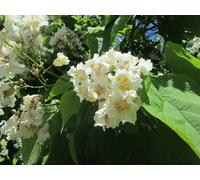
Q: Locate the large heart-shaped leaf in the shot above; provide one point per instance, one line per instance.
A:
(175, 100)
(180, 61)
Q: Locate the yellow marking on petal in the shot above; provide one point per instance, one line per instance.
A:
(80, 76)
(123, 83)
(92, 66)
(99, 90)
(121, 106)
(83, 92)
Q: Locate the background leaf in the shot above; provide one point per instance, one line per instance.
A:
(95, 39)
(78, 138)
(111, 30)
(70, 104)
(59, 153)
(31, 150)
(180, 61)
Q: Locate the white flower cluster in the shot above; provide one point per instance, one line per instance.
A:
(113, 80)
(28, 121)
(20, 27)
(66, 38)
(193, 46)
(19, 32)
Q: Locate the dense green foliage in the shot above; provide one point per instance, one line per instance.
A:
(167, 130)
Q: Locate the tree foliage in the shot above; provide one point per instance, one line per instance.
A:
(167, 127)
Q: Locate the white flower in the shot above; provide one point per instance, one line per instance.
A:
(97, 66)
(26, 132)
(106, 118)
(32, 111)
(11, 27)
(7, 94)
(112, 80)
(20, 32)
(9, 65)
(13, 23)
(38, 21)
(117, 109)
(145, 66)
(61, 60)
(120, 61)
(27, 121)
(1, 112)
(9, 127)
(43, 133)
(193, 46)
(124, 80)
(80, 76)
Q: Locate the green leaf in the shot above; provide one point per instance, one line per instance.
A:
(94, 39)
(129, 128)
(112, 28)
(119, 25)
(31, 151)
(1, 159)
(59, 153)
(61, 86)
(78, 139)
(175, 149)
(107, 36)
(55, 125)
(179, 61)
(107, 19)
(70, 104)
(174, 99)
(100, 39)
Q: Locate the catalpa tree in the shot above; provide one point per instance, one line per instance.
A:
(99, 90)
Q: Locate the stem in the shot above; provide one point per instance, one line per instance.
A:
(16, 48)
(43, 83)
(30, 58)
(46, 70)
(55, 75)
(36, 87)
